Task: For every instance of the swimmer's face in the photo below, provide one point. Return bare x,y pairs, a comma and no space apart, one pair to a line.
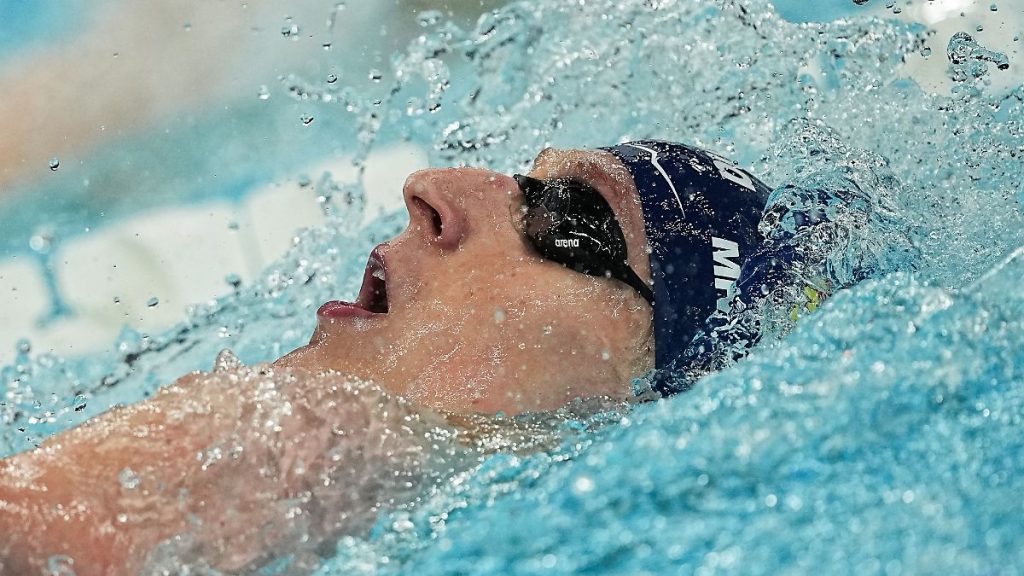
476,320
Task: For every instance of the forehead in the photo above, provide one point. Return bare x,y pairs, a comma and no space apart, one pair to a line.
598,168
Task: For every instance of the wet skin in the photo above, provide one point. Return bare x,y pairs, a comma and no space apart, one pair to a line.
476,321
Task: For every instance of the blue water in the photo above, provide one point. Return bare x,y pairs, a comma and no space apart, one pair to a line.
35,23
880,434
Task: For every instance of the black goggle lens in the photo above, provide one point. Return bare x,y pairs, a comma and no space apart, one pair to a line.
572,224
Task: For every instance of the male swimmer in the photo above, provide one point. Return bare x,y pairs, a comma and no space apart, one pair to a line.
504,294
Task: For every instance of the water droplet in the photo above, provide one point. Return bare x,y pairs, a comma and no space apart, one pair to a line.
980,28
226,361
152,302
290,31
188,26
606,355
263,94
233,280
129,479
375,75
522,345
306,119
326,46
117,299
60,565
993,7
23,346
499,315
402,525
332,78
54,163
41,242
233,225
122,518
547,330
428,18
583,485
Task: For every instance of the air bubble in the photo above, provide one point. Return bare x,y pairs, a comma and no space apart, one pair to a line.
332,78
23,346
152,302
376,75
264,93
499,315
233,280
54,164
306,119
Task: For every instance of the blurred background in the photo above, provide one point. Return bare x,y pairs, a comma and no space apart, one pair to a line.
158,154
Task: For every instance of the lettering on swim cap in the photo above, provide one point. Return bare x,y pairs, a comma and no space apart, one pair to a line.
729,171
567,242
727,270
701,213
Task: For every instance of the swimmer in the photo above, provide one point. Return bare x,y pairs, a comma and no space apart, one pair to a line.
504,294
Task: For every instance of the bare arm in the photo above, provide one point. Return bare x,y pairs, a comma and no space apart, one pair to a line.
218,469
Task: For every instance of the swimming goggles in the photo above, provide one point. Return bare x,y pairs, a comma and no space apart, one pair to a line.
570,223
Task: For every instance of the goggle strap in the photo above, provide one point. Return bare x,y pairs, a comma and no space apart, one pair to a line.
627,275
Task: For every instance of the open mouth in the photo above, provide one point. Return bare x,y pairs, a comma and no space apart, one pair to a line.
373,294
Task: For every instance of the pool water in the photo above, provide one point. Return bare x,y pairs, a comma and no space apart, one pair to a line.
881,433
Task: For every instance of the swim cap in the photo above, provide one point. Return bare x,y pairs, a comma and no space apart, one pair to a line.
701,214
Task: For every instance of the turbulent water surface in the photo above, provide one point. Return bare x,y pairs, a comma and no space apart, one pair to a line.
881,433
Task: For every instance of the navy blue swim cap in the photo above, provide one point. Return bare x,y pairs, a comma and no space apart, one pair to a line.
701,214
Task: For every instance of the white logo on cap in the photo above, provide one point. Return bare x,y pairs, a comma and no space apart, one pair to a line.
726,269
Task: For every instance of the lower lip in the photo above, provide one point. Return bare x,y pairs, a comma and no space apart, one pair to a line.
342,309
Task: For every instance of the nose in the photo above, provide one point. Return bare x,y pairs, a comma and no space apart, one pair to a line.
443,202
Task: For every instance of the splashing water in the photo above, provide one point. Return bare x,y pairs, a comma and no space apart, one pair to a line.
881,432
